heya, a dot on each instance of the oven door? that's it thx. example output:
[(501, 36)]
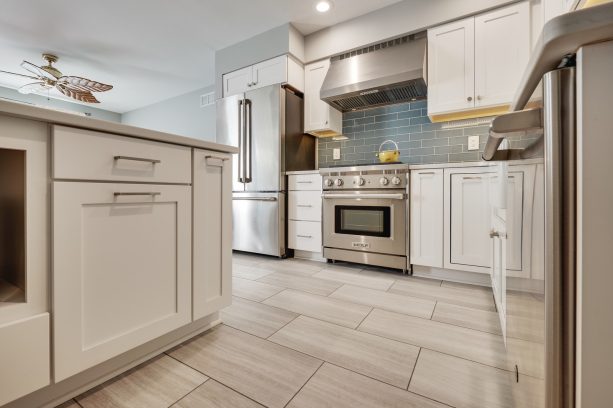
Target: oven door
[(373, 221)]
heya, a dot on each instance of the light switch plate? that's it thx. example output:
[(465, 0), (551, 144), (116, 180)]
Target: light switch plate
[(336, 154), (473, 142)]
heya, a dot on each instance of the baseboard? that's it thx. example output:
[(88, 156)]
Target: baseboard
[(310, 256), (58, 393)]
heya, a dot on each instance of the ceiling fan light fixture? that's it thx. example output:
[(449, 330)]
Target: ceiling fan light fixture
[(323, 6)]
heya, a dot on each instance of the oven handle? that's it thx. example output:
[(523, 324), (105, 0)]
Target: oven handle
[(397, 196)]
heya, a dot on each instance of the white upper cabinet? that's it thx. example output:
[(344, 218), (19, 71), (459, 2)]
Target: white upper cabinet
[(477, 62), (502, 49), (279, 70), (427, 217), (320, 119), (451, 73)]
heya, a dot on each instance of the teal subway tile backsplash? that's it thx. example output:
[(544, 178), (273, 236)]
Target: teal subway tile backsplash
[(419, 140)]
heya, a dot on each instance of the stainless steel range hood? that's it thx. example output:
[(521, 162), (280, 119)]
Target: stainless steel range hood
[(385, 75)]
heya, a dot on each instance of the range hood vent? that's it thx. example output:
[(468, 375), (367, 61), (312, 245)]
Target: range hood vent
[(382, 74)]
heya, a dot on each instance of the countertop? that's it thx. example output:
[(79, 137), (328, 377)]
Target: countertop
[(289, 173), (36, 113), (473, 164)]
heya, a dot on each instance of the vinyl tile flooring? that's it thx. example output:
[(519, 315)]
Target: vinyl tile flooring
[(306, 334)]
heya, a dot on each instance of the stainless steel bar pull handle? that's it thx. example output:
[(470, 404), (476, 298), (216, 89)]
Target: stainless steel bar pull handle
[(304, 205), (220, 160), (241, 142), (304, 182), (304, 236), (144, 193), (248, 141), (254, 198), (140, 159), (365, 196)]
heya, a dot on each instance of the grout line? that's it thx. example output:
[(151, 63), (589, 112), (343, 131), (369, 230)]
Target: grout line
[(263, 300), (77, 402), (434, 309), (414, 367), (198, 386), (362, 321), (281, 328), (305, 383)]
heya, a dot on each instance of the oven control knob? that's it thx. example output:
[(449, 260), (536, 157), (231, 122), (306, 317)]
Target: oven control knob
[(339, 182), (384, 181), (361, 181), (396, 180), (328, 182)]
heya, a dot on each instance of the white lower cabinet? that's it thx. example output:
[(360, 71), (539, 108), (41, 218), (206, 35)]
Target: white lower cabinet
[(24, 357), (304, 235), (212, 223), (121, 269), (426, 223), (304, 214)]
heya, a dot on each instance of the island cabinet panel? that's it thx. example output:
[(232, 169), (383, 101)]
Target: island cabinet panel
[(212, 224), (121, 269), (87, 155), (24, 357)]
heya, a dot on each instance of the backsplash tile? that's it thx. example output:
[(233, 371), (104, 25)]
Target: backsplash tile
[(419, 140)]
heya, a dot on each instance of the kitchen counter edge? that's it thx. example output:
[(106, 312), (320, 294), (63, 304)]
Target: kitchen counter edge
[(36, 113), (473, 164)]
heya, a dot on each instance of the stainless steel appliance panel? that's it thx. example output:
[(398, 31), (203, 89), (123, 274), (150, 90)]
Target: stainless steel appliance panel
[(382, 213), (259, 223), (264, 139), (229, 126)]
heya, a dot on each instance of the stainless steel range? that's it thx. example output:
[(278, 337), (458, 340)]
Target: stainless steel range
[(365, 213)]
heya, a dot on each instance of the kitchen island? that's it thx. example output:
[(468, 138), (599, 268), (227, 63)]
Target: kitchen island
[(117, 237)]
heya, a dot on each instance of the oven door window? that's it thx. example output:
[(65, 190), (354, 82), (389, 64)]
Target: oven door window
[(362, 220)]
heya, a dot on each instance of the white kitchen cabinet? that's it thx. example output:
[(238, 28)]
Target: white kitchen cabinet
[(304, 214), (451, 71), (499, 269), (426, 222), (121, 269), (212, 227), (502, 49), (320, 119), (278, 70), (477, 62), (468, 219)]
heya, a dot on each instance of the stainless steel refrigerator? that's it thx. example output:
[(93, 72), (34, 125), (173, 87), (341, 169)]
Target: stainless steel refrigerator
[(266, 125)]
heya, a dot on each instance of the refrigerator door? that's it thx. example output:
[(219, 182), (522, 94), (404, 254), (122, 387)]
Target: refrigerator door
[(231, 127), (259, 220), (264, 139)]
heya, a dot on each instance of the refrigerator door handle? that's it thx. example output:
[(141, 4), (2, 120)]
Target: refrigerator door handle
[(248, 143), (241, 120)]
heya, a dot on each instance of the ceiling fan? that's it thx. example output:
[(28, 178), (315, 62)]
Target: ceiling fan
[(48, 77)]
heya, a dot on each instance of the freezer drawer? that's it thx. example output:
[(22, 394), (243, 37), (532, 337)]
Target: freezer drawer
[(259, 223)]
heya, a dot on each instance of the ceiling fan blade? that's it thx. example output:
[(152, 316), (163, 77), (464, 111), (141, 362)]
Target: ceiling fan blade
[(36, 70), (84, 84), (21, 75), (83, 96), (32, 88)]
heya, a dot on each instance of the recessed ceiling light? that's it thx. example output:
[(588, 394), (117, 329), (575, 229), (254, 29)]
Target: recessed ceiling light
[(323, 6)]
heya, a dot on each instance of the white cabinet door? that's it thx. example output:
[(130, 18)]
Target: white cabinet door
[(502, 49), (269, 72), (469, 221), (212, 223), (237, 82), (304, 205), (451, 71), (304, 235), (121, 269), (498, 271), (426, 223), (319, 117)]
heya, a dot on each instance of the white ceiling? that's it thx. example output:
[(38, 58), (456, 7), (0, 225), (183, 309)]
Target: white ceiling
[(150, 50)]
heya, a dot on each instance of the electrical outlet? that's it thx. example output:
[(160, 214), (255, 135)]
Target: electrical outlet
[(336, 154), (473, 142)]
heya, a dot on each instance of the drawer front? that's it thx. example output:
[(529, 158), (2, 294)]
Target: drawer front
[(310, 182), (87, 155), (24, 357), (304, 235), (304, 206)]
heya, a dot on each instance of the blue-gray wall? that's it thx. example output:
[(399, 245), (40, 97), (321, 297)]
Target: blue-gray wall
[(181, 115), (40, 100), (419, 140)]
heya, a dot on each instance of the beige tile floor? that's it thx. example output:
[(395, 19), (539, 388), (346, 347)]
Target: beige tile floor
[(309, 334)]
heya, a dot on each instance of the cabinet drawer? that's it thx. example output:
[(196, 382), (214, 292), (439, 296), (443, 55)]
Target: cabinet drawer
[(305, 182), (304, 235), (24, 357), (304, 206), (87, 155)]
